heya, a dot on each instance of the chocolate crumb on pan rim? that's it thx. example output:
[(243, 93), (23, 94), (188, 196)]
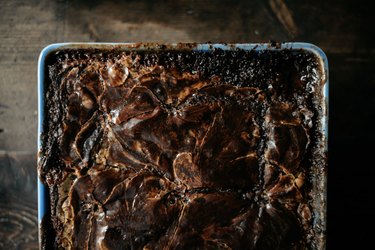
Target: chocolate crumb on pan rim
[(320, 181)]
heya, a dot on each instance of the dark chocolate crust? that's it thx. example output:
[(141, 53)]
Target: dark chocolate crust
[(182, 149)]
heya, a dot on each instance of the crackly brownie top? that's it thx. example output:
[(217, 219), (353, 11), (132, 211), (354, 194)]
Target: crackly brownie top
[(181, 149)]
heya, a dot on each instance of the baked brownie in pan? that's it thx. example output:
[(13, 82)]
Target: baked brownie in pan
[(185, 146)]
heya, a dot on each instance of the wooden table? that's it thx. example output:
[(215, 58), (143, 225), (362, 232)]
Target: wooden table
[(343, 30)]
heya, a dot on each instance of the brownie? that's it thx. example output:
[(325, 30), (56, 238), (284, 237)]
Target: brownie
[(183, 149)]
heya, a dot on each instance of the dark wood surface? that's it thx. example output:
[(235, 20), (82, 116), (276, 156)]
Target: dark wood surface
[(18, 201), (343, 29)]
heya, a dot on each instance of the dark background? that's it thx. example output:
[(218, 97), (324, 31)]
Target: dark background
[(343, 29)]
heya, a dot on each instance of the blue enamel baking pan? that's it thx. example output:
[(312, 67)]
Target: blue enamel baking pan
[(320, 199)]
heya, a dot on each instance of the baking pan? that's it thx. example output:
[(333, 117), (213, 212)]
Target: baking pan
[(320, 183)]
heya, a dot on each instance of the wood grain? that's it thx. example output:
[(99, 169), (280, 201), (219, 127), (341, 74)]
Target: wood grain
[(18, 201), (284, 15)]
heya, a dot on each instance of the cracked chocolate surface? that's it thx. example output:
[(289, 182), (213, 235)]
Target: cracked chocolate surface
[(182, 150)]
